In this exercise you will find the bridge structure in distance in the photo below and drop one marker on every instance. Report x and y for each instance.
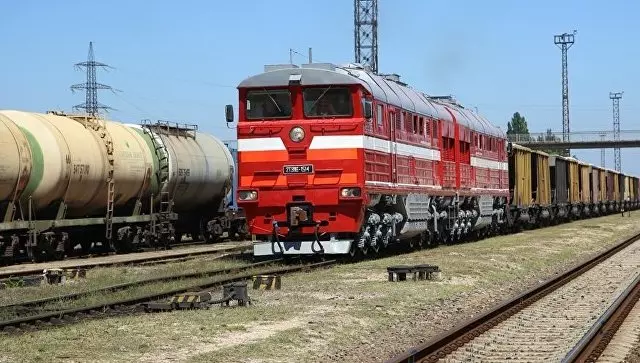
(578, 140)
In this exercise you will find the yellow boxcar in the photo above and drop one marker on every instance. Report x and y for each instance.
(595, 184)
(627, 188)
(574, 180)
(603, 185)
(616, 186)
(541, 178)
(585, 182)
(520, 175)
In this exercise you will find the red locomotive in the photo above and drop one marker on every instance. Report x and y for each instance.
(339, 160)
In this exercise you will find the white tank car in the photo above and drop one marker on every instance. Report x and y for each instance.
(69, 161)
(199, 168)
(15, 160)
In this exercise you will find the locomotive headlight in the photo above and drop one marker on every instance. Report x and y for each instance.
(350, 192)
(247, 195)
(296, 134)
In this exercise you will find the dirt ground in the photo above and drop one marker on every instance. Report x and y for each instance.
(346, 313)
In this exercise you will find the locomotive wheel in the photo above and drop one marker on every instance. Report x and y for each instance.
(357, 253)
(352, 250)
(376, 248)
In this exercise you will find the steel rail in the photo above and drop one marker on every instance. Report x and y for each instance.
(142, 259)
(125, 285)
(446, 343)
(120, 306)
(596, 339)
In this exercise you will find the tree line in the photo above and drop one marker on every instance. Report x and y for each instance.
(518, 126)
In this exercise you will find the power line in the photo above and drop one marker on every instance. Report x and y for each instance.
(91, 105)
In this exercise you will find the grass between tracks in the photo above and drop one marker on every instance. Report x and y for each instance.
(348, 312)
(102, 277)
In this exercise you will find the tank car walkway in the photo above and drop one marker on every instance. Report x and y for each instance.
(125, 258)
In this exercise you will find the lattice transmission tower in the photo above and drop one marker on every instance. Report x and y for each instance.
(615, 97)
(91, 105)
(564, 42)
(366, 32)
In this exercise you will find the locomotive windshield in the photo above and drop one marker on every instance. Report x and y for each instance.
(327, 102)
(268, 104)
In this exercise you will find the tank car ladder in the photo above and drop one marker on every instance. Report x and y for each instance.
(161, 226)
(106, 137)
(165, 213)
(111, 191)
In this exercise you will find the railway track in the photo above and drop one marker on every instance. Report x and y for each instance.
(134, 304)
(27, 305)
(568, 318)
(143, 258)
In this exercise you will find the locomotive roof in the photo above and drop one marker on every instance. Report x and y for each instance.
(386, 88)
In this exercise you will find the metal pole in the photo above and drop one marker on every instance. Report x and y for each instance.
(565, 41)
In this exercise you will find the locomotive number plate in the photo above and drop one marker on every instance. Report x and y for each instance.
(298, 169)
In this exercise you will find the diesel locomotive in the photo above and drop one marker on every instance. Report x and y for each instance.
(340, 160)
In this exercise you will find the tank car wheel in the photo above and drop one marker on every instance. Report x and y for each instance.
(178, 237)
(196, 235)
(243, 232)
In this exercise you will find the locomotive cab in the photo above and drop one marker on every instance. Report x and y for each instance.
(300, 134)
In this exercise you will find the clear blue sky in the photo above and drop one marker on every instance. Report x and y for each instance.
(182, 60)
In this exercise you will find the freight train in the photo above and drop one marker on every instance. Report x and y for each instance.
(72, 184)
(340, 160)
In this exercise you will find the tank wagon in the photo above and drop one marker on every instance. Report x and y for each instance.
(73, 183)
(340, 160)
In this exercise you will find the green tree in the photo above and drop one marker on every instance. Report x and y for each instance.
(518, 126)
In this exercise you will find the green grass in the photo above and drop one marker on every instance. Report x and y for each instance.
(105, 276)
(348, 311)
